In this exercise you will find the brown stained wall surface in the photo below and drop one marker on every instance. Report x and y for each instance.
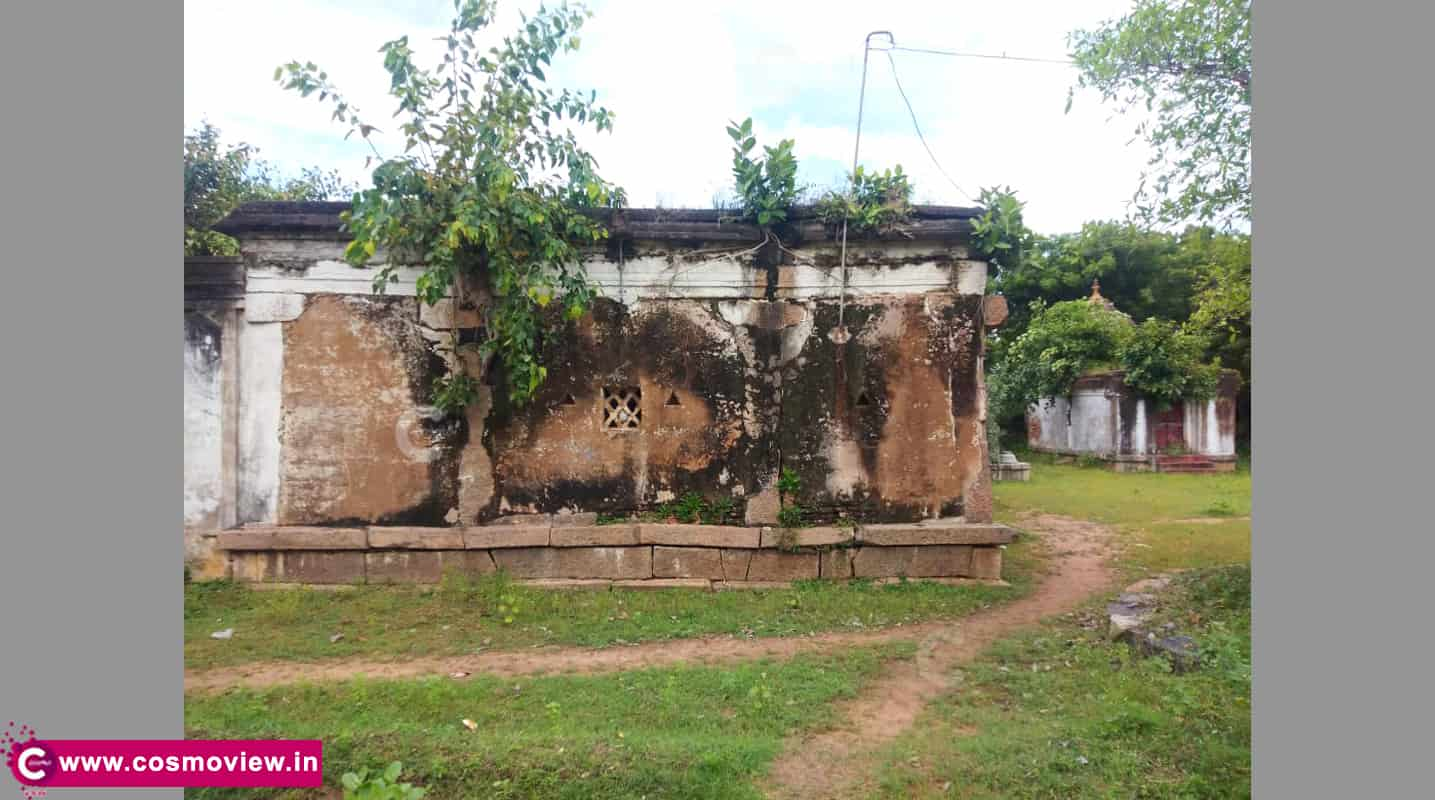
(356, 368)
(922, 459)
(559, 452)
(885, 426)
(887, 423)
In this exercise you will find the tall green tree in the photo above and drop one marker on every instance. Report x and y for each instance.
(489, 191)
(1222, 313)
(1188, 62)
(218, 177)
(1146, 273)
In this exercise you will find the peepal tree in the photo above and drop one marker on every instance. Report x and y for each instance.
(489, 192)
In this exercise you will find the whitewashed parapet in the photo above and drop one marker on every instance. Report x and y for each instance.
(297, 248)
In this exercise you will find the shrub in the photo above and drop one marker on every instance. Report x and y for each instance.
(1163, 362)
(766, 187)
(874, 202)
(1063, 342)
(384, 785)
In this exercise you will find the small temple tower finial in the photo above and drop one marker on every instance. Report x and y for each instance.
(1096, 297)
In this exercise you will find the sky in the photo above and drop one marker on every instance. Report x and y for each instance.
(675, 72)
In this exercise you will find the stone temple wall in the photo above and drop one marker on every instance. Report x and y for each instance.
(715, 357)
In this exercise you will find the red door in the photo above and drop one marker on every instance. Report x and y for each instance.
(1171, 428)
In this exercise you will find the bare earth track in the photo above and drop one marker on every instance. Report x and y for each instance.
(1076, 571)
(833, 763)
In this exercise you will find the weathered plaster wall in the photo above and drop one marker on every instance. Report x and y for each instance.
(203, 420)
(355, 368)
(698, 428)
(1094, 425)
(733, 346)
(261, 369)
(1104, 417)
(885, 422)
(1046, 425)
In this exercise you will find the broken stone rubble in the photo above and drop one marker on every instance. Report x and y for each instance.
(1128, 619)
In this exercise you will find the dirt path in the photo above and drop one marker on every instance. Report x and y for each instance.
(834, 763)
(1077, 568)
(557, 660)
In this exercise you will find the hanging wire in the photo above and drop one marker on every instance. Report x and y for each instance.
(918, 128)
(841, 330)
(1001, 57)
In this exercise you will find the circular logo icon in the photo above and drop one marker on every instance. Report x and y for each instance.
(34, 763)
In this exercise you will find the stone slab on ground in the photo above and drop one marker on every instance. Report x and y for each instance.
(987, 563)
(1181, 651)
(735, 564)
(616, 563)
(666, 583)
(425, 566)
(808, 537)
(835, 564)
(934, 534)
(728, 586)
(621, 535)
(935, 561)
(699, 535)
(398, 538)
(567, 583)
(687, 562)
(293, 538)
(503, 536)
(298, 566)
(771, 565)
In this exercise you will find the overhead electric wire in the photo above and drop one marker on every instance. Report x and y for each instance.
(993, 56)
(918, 128)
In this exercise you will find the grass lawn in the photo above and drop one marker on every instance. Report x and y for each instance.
(1060, 712)
(1167, 521)
(692, 732)
(461, 617)
(1053, 712)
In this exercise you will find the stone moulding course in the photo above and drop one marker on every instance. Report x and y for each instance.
(653, 555)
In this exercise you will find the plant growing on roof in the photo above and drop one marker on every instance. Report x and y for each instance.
(489, 192)
(766, 187)
(1000, 234)
(874, 202)
(1163, 362)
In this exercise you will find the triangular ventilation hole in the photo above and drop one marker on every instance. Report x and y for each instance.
(673, 400)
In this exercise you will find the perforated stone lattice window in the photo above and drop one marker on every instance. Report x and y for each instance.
(622, 407)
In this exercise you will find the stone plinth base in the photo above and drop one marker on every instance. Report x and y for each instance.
(641, 555)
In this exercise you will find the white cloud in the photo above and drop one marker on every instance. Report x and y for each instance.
(676, 72)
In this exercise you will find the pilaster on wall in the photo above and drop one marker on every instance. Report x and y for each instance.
(915, 320)
(213, 305)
